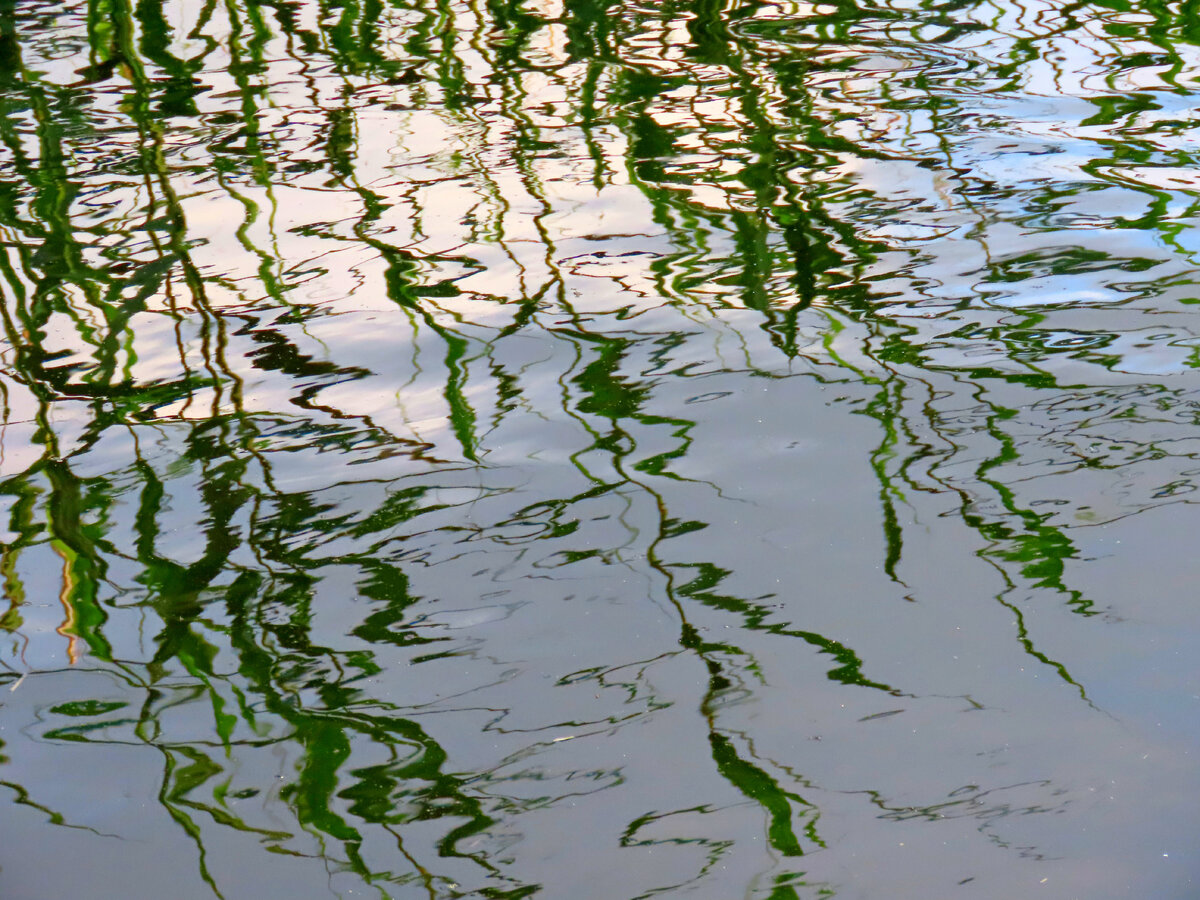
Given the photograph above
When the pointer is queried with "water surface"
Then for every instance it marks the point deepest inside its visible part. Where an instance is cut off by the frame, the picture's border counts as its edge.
(511, 448)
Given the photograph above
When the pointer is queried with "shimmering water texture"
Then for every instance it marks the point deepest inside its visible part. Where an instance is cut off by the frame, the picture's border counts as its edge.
(594, 450)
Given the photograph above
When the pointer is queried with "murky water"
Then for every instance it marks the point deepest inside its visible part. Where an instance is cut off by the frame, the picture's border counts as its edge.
(562, 448)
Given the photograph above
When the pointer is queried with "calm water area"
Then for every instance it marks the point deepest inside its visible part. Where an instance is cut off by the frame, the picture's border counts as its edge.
(601, 450)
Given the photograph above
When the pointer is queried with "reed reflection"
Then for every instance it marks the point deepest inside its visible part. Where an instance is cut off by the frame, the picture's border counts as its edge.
(367, 418)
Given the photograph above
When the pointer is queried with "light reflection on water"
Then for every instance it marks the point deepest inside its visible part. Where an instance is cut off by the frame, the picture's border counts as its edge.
(586, 449)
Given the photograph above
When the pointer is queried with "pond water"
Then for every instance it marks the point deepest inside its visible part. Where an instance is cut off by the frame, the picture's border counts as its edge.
(569, 448)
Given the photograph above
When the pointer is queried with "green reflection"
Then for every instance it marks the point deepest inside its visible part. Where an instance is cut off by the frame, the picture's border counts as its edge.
(335, 333)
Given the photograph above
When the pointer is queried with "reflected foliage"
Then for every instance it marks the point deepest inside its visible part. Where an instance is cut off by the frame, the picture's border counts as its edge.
(380, 376)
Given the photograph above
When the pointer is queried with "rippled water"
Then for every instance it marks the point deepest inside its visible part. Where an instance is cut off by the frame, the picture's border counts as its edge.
(562, 448)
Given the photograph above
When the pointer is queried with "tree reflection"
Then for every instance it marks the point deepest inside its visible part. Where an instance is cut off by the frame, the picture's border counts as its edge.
(276, 275)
